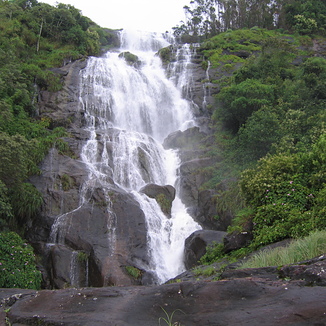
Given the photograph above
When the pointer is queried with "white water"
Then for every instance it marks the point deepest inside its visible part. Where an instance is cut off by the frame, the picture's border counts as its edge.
(133, 108)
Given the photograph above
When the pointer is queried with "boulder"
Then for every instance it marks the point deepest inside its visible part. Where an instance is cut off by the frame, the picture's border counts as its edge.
(130, 58)
(164, 195)
(196, 244)
(237, 240)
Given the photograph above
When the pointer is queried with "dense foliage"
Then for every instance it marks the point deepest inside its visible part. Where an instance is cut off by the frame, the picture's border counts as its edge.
(17, 263)
(271, 115)
(206, 18)
(34, 37)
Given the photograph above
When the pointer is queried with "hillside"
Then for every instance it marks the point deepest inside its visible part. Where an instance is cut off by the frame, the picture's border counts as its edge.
(252, 173)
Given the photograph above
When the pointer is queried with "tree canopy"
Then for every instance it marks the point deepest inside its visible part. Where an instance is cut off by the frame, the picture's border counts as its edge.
(208, 17)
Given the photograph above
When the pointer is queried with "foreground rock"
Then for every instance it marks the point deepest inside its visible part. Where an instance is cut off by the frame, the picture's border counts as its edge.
(246, 297)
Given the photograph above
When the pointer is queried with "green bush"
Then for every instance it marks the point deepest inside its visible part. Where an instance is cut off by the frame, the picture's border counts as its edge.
(17, 263)
(239, 101)
(134, 272)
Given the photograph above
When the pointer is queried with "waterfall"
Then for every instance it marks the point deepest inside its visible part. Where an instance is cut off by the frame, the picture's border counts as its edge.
(129, 109)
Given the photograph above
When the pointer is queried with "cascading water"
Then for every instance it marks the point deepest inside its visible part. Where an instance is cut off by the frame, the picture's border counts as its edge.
(132, 108)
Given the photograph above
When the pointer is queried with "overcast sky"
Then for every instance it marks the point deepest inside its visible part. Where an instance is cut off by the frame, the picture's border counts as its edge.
(145, 15)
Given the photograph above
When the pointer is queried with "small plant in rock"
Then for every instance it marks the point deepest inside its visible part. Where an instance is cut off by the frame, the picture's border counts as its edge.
(134, 272)
(82, 256)
(168, 319)
(164, 203)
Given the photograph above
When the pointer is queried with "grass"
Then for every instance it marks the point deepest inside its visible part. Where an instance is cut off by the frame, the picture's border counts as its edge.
(168, 319)
(298, 250)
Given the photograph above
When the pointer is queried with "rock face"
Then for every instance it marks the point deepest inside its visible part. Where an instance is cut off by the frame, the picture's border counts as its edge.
(87, 236)
(193, 173)
(252, 297)
(196, 245)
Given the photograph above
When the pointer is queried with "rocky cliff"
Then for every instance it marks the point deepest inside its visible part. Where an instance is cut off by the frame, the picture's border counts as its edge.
(72, 234)
(84, 241)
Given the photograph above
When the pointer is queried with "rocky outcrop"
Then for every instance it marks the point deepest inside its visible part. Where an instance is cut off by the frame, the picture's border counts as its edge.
(187, 142)
(63, 108)
(194, 171)
(164, 195)
(86, 234)
(208, 215)
(238, 239)
(252, 297)
(130, 58)
(196, 245)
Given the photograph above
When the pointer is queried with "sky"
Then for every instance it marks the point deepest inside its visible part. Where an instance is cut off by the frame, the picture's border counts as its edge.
(144, 15)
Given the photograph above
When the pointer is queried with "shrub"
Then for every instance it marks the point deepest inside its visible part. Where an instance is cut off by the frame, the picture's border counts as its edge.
(134, 272)
(17, 263)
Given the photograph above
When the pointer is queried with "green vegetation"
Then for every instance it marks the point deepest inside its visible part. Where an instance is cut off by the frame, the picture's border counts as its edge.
(269, 124)
(17, 263)
(134, 272)
(164, 203)
(165, 54)
(168, 319)
(130, 58)
(206, 18)
(208, 271)
(297, 251)
(82, 256)
(34, 37)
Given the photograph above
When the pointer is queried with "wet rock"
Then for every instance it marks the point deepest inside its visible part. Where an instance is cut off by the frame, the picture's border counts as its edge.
(192, 176)
(197, 243)
(106, 224)
(63, 107)
(164, 195)
(188, 143)
(312, 273)
(238, 239)
(130, 58)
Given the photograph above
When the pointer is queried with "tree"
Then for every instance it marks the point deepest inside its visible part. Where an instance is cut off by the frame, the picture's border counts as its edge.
(258, 134)
(239, 101)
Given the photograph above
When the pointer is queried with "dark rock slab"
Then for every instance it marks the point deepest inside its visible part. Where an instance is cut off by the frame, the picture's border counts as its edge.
(313, 274)
(206, 213)
(246, 301)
